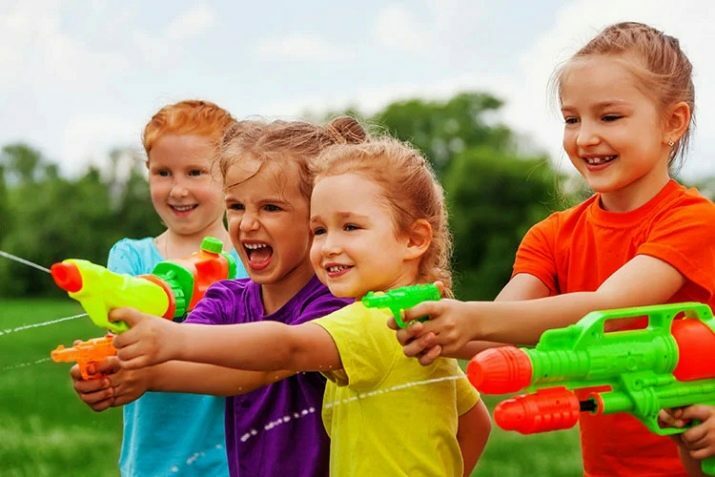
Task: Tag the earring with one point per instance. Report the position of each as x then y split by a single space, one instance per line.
671 143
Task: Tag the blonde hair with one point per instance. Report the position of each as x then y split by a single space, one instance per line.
410 188
663 69
195 117
296 141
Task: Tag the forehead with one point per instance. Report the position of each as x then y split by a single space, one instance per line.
263 177
348 192
179 148
599 79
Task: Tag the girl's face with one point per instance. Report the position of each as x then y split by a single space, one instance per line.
185 194
268 221
356 248
613 132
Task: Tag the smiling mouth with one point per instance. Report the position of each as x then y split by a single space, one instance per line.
183 208
337 270
600 160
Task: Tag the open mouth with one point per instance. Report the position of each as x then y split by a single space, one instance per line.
336 270
181 209
259 254
599 160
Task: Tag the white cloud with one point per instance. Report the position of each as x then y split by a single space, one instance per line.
397 28
88 138
300 47
191 23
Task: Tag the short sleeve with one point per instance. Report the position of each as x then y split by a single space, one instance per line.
366 345
467 396
212 308
536 254
123 258
685 238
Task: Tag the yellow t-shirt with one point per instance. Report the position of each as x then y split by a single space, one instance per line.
386 414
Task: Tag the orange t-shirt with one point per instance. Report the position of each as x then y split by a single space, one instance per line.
578 249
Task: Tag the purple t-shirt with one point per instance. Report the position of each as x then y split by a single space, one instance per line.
274 431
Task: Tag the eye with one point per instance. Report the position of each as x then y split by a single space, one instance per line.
318 230
272 208
570 120
350 227
235 206
196 172
611 117
161 172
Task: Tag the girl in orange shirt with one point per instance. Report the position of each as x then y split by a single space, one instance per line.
627 99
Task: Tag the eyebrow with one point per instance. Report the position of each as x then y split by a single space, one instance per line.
601 105
343 215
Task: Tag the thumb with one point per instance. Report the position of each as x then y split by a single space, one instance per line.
130 316
423 309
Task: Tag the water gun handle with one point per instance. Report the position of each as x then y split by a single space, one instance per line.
708 466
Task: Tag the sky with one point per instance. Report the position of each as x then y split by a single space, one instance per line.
80 78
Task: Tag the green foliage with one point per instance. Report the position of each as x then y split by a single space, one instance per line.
443 129
494 198
47 218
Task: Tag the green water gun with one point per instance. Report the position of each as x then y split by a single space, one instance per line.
402 298
590 367
171 290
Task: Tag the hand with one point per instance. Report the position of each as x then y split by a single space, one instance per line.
448 329
98 394
150 339
699 439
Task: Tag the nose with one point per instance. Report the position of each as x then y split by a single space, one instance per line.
249 221
330 245
587 134
179 189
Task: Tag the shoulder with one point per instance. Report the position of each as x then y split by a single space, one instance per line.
134 256
222 303
315 301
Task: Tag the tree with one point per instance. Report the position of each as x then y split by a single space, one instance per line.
494 198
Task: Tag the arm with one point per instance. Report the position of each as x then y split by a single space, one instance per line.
472 434
262 346
122 386
455 323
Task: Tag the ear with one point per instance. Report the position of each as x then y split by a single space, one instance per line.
676 122
419 238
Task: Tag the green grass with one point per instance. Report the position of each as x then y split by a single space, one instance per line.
46 431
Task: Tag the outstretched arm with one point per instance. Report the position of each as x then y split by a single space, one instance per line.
642 281
262 346
122 386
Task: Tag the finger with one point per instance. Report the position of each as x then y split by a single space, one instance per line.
693 435
128 315
406 335
75 373
96 397
697 411
91 385
108 366
703 453
667 419
134 363
427 308
392 324
413 348
442 288
430 355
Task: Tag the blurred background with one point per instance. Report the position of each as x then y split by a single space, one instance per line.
467 82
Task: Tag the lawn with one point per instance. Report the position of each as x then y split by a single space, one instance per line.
46 431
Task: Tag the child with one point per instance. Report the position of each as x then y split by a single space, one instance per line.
627 101
268 187
165 430
378 222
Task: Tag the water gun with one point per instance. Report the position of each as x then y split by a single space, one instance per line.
171 290
402 298
85 353
585 368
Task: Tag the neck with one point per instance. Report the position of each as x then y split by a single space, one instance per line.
275 295
174 245
636 194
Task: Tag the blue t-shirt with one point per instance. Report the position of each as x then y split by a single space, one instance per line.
168 433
